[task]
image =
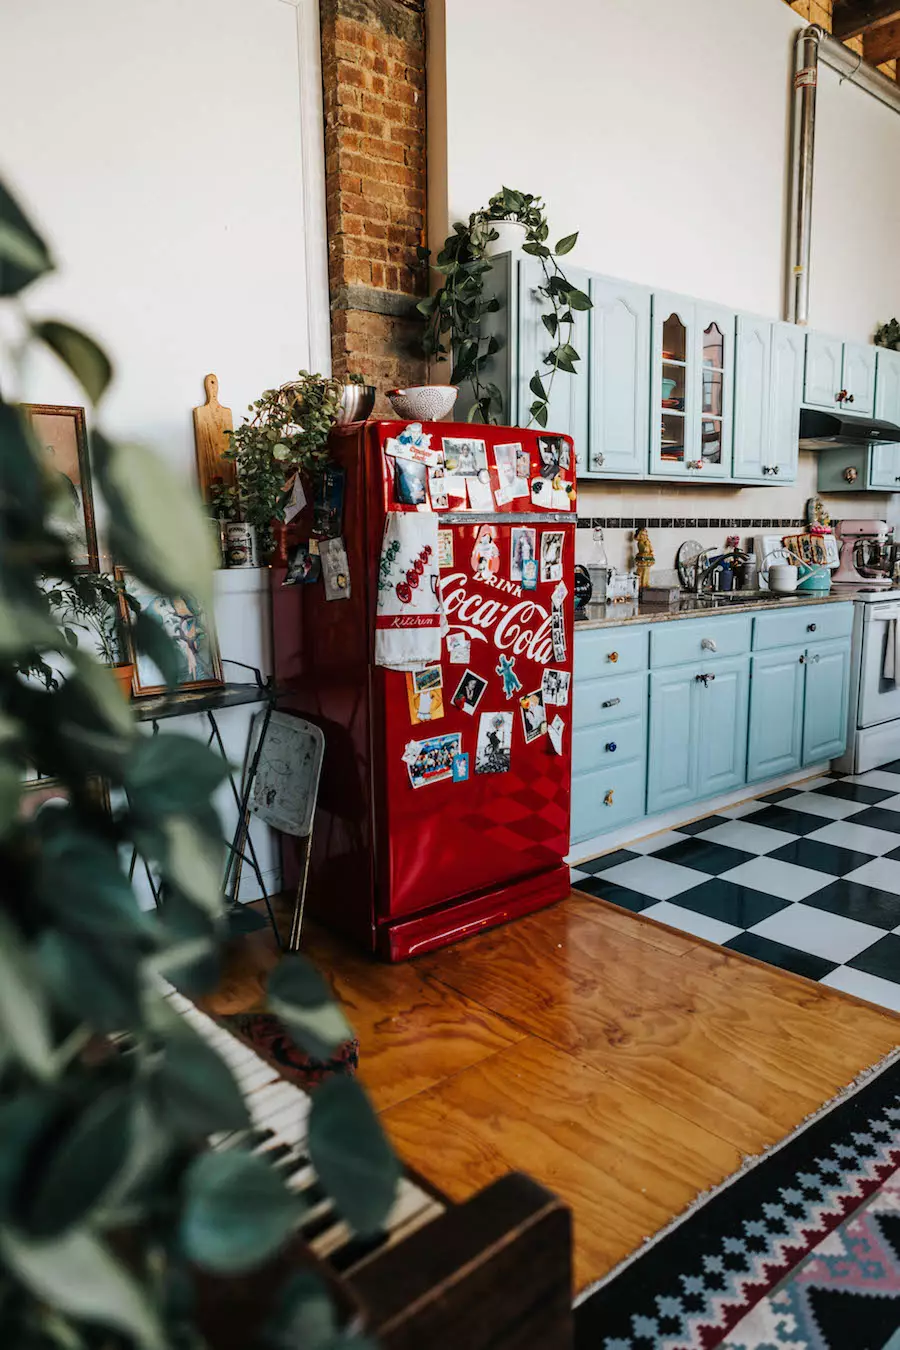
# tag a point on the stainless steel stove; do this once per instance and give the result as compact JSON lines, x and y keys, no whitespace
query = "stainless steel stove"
{"x":874,"y":724}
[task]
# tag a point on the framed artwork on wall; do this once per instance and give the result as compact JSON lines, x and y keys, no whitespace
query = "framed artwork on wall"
{"x":61,"y":433}
{"x":192,"y":632}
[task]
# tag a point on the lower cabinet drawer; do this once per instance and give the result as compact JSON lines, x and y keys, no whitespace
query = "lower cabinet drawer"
{"x":709,"y":640}
{"x":801,"y":624}
{"x":596,"y":702}
{"x":610,"y":651}
{"x":606,"y":798}
{"x":617,"y":743}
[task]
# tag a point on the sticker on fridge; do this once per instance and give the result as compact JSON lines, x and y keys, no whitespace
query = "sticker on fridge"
{"x":460,"y":768}
{"x":542,"y":493}
{"x":303,"y":565}
{"x":328,"y":505}
{"x":425,"y":693}
{"x":456,"y":491}
{"x":465,"y":456}
{"x":555,"y":730}
{"x":431,"y":761}
{"x":492,"y":753}
{"x":558,"y":621}
{"x":555,"y":687}
{"x":551,"y":555}
{"x":511,"y":682}
{"x":523,"y":463}
{"x":414,"y":444}
{"x":534,"y":723}
{"x":530,"y":574}
{"x":469,"y":692}
{"x":554,"y":455}
{"x":485,"y":555}
{"x":445,"y":548}
{"x":459,"y":649}
{"x":522,"y":549}
{"x":481,"y":498}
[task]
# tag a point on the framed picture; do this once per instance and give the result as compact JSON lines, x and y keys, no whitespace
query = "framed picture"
{"x":61,"y":432}
{"x":191,"y":631}
{"x":40,"y":793}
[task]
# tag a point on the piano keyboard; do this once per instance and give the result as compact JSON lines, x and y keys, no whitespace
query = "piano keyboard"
{"x":279,"y":1112}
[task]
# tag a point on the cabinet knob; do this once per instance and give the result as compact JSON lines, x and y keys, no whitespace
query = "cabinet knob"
{"x":897,"y":479}
{"x":709,"y":645}
{"x":815,"y":659}
{"x":610,"y":703}
{"x":611,"y":747}
{"x":810,"y":628}
{"x":840,"y":396}
{"x":776,"y":468}
{"x":608,"y":799}
{"x":612,"y":656}
{"x":599,"y":459}
{"x":849,"y":398}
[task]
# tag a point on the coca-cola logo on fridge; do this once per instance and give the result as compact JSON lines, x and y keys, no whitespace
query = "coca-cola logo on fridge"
{"x":522,"y":628}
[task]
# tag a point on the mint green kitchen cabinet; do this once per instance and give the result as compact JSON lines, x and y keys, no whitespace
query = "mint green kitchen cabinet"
{"x":769,"y":360}
{"x":698,"y":732}
{"x":691,"y":388}
{"x":775,"y":740}
{"x":835,"y":368}
{"x":568,"y":408}
{"x":619,"y":380}
{"x":826,"y":701}
{"x":823,"y":371}
{"x":884,"y":460}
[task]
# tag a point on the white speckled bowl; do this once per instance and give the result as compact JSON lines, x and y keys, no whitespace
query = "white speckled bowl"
{"x":424,"y":402}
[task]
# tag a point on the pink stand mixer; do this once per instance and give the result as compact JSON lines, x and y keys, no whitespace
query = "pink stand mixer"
{"x":867,"y":554}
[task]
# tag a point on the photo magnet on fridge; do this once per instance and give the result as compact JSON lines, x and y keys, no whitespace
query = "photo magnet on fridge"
{"x":460,"y":768}
{"x":522,"y":549}
{"x":335,"y":569}
{"x":481,"y":498}
{"x":328,"y":503}
{"x":464,"y":455}
{"x":456,"y":491}
{"x":505,"y":460}
{"x":459,"y":649}
{"x":424,"y":691}
{"x":556,"y":729}
{"x":469,"y":692}
{"x":409,"y":483}
{"x":542,"y":492}
{"x":551,"y":555}
{"x":431,"y":761}
{"x":523,"y":463}
{"x":554,"y":455}
{"x":437,"y":490}
{"x":555,"y":687}
{"x":302,"y":565}
{"x":530,"y":574}
{"x":445,"y":548}
{"x":534,"y":722}
{"x":492,"y":753}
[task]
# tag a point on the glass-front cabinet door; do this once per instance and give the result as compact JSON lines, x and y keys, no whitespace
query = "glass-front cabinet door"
{"x":691,"y":388}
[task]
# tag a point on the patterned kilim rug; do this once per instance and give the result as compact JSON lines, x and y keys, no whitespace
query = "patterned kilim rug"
{"x":799,"y":1251}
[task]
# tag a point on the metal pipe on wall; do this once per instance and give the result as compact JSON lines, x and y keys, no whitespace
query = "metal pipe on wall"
{"x":814,"y":46}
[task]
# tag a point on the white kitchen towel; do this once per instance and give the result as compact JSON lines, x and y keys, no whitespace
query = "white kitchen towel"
{"x":891,"y":668}
{"x":409,"y":617}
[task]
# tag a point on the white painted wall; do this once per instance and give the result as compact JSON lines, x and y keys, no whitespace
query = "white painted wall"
{"x":661,"y":133}
{"x":172,"y":153}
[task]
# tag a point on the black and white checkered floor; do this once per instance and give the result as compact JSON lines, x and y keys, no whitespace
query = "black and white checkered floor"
{"x":807,"y":878}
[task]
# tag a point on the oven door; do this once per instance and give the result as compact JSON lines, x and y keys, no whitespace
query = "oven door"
{"x":879,"y":699}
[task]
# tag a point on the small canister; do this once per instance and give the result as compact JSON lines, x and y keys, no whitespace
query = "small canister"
{"x":240,"y":545}
{"x":746,"y":574}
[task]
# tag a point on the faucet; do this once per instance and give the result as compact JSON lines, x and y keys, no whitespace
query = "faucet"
{"x":706,"y":571}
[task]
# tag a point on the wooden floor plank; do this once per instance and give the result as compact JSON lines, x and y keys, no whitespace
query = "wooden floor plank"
{"x":623,"y":1163}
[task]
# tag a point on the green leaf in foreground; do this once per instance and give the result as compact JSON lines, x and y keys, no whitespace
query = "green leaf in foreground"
{"x":86,"y":360}
{"x":82,"y":1164}
{"x":351,"y":1154}
{"x":23,"y":254}
{"x":238,"y":1211}
{"x":298,"y":995}
{"x":197,"y":1091}
{"x":24,"y":1016}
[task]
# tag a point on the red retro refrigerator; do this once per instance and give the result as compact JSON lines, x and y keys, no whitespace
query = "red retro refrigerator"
{"x":443,"y":804}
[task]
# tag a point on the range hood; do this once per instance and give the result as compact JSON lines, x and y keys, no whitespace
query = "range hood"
{"x":838,"y":431}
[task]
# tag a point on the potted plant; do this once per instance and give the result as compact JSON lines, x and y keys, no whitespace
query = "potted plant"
{"x":286,"y":435}
{"x":455,"y":311}
{"x":888,"y":335}
{"x":113,"y":1208}
{"x":93,"y":604}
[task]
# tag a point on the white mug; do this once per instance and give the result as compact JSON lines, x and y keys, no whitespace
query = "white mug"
{"x":783,"y":577}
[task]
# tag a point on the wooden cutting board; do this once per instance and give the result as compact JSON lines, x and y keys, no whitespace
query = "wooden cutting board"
{"x":212,"y":423}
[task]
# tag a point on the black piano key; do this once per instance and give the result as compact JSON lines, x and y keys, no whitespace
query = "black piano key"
{"x":314,"y":1228}
{"x":280,"y":1153}
{"x":355,"y":1250}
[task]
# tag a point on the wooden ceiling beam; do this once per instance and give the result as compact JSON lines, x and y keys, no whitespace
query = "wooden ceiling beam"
{"x":852,"y":17}
{"x":882,"y":43}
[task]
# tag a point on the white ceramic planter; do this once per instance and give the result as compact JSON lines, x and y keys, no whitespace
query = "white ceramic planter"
{"x":511,"y":237}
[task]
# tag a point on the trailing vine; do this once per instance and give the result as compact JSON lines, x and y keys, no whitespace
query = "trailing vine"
{"x":454,"y":313}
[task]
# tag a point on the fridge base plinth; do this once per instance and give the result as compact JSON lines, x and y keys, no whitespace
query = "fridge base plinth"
{"x":422,"y":933}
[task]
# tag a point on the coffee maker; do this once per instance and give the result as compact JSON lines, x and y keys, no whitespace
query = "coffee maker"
{"x":867,"y":554}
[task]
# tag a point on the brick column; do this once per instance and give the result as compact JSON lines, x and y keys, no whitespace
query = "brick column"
{"x":373,"y":75}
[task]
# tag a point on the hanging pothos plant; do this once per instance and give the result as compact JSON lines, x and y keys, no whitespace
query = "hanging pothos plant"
{"x":454,"y":313}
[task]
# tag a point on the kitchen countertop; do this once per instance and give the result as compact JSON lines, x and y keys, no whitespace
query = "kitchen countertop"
{"x":608,"y":616}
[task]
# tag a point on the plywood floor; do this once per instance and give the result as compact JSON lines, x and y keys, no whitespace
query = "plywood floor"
{"x":622,"y":1064}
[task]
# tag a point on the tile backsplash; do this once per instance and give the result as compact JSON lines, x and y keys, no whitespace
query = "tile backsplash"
{"x":673,"y":512}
